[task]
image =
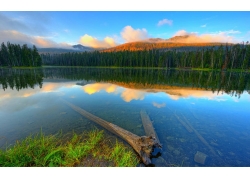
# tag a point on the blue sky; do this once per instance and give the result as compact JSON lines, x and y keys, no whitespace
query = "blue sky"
{"x":111,"y":28}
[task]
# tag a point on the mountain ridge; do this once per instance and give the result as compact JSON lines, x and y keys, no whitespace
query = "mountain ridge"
{"x":147,"y":44}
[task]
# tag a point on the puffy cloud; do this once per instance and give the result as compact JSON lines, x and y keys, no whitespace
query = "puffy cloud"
{"x":187,"y":93}
{"x":130,"y":34}
{"x":130,"y":94}
{"x":126,"y":94}
{"x":165,"y":21}
{"x":183,"y":33}
{"x":20,"y":38}
{"x":88,"y":40}
{"x":96,"y":87}
{"x":221,"y":36}
{"x":159,"y":105}
{"x":110,"y":41}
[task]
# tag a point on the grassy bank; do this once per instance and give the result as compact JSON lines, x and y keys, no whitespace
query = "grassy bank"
{"x":88,"y":149}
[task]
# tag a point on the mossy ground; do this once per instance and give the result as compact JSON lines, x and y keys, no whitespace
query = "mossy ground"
{"x":91,"y":148}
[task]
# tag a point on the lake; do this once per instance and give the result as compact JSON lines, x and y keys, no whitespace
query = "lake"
{"x":202,"y":118}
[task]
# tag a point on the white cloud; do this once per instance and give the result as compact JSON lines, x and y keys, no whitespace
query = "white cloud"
{"x":131,"y":94}
{"x":129,"y":34}
{"x":165,"y":21}
{"x":181,"y":33}
{"x":25,"y":22}
{"x":220,"y":36}
{"x":158,"y":105}
{"x":20,"y":38}
{"x":88,"y":40}
{"x":96,"y":87}
{"x":126,"y":94}
{"x":229,"y":32}
{"x":204,"y":25}
{"x":184,"y":33}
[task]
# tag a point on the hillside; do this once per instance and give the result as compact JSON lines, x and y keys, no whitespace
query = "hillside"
{"x":158,"y":43}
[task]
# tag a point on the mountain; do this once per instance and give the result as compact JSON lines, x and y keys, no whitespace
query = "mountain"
{"x":83,"y":48}
{"x":74,"y":48}
{"x":175,"y":42}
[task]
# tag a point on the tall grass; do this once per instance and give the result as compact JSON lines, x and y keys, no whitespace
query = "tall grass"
{"x":53,"y":150}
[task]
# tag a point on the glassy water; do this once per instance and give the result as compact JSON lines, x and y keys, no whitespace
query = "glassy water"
{"x":201,"y":118}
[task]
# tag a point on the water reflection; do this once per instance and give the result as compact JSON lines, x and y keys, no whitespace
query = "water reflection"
{"x":214,"y":105}
{"x":219,"y":82}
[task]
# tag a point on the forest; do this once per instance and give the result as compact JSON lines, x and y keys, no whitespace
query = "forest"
{"x":14,"y":55}
{"x":222,"y":57}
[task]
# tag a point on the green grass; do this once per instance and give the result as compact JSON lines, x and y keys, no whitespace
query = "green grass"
{"x":60,"y":151}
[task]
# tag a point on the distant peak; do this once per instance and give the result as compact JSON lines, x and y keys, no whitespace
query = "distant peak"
{"x":154,"y":40}
{"x":178,"y":37}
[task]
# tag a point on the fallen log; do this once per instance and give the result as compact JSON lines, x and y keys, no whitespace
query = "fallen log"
{"x":148,"y":126}
{"x":199,"y":136}
{"x":188,"y":128}
{"x":143,"y":145}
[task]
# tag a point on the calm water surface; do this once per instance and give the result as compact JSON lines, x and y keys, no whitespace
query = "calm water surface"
{"x":193,"y":113}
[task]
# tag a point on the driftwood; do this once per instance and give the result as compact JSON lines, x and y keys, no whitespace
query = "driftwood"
{"x":143,"y":145}
{"x":148,"y":126}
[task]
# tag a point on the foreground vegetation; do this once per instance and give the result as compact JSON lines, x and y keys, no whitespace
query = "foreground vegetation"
{"x":88,"y":149}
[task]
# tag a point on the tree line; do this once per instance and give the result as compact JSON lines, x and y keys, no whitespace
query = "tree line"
{"x":216,"y":57}
{"x":21,"y":78}
{"x":223,"y":57}
{"x":233,"y":83}
{"x":14,"y":55}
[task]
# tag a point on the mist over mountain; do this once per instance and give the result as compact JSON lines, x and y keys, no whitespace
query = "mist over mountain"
{"x":74,"y":48}
{"x":83,"y":48}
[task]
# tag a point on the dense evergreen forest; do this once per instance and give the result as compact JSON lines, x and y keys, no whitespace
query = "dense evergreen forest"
{"x":233,"y":83}
{"x":14,"y":55}
{"x":217,"y":57}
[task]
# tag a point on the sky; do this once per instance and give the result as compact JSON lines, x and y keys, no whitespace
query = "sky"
{"x":110,"y":28}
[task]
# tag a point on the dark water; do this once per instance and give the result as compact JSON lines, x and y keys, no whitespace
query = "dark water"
{"x":193,"y":112}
